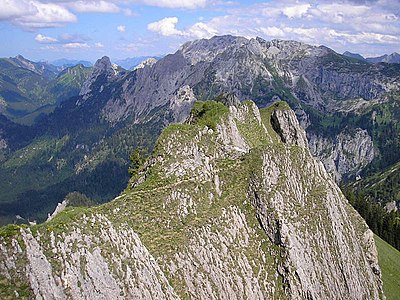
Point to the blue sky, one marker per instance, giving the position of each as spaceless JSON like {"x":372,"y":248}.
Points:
{"x":89,"y":29}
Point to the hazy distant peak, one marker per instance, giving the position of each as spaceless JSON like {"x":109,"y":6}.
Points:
{"x":20,"y":57}
{"x":23,"y":62}
{"x":64,"y":62}
{"x":354,"y":55}
{"x":393,"y":58}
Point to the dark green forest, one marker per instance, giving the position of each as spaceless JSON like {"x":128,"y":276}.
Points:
{"x":383,"y":223}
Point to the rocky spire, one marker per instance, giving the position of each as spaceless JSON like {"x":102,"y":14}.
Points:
{"x":102,"y":67}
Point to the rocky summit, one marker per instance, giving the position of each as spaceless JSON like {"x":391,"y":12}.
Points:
{"x":334,"y":96}
{"x":231,"y":205}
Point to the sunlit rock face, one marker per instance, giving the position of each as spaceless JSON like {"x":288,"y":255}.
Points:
{"x":231,"y":205}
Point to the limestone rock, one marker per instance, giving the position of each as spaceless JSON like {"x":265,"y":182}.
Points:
{"x":148,"y":62}
{"x":346,"y":154}
{"x":240,"y":211}
{"x":286,"y":125}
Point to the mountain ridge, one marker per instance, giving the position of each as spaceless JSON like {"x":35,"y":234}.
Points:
{"x":29,"y":88}
{"x":226,"y":197}
{"x":335,"y":99}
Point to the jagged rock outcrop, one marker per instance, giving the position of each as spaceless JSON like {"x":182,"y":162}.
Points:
{"x":348,"y":153}
{"x":327,"y":91}
{"x":284,"y":123}
{"x":309,"y":77}
{"x":180,"y":105}
{"x":392,"y":206}
{"x":104,"y":68}
{"x":248,"y":68}
{"x":148,"y":62}
{"x":3,"y":143}
{"x":228,"y":207}
{"x":59,"y":208}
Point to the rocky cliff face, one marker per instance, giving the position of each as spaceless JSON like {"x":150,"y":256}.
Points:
{"x":312,"y":79}
{"x":230,"y":206}
{"x":104,"y":69}
{"x":317,"y":76}
{"x":347,"y":154}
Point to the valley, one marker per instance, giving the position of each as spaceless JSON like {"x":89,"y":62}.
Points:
{"x":352,"y":127}
{"x":74,"y":130}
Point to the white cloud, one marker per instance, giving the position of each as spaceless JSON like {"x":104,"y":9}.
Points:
{"x":200,"y":31}
{"x":272,"y":31}
{"x":365,"y":25}
{"x":296,"y":11}
{"x":188,"y":4}
{"x":49,"y":47}
{"x":76,"y":46}
{"x":338,"y":12}
{"x":94,"y":6}
{"x":15,"y":8}
{"x":42,"y":15}
{"x":98,"y":45}
{"x":165,"y":27}
{"x":304,"y":32}
{"x":121,"y":28}
{"x":366,"y":37}
{"x":45,"y":39}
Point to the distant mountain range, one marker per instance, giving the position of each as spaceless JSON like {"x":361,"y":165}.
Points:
{"x":29,"y":89}
{"x":130,"y":63}
{"x":127,"y":63}
{"x":393,"y":58}
{"x":349,"y":108}
{"x":238,"y":198}
{"x":63,"y":62}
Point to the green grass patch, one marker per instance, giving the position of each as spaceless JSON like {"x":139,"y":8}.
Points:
{"x":208,"y":113}
{"x":10,"y":230}
{"x":389,"y":261}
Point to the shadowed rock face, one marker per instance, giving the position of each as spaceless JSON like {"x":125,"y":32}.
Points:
{"x":348,"y":153}
{"x":237,"y":209}
{"x":284,"y":122}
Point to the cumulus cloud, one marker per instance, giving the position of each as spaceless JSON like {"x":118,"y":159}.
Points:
{"x":342,"y":25}
{"x":35,"y":14}
{"x":76,"y":46}
{"x":296,"y":11}
{"x":338,"y":12}
{"x":366,"y":37}
{"x":272,"y":31}
{"x":15,"y":8}
{"x":94,"y":6}
{"x":165,"y":27}
{"x":201,"y":30}
{"x":98,"y":45}
{"x":45,"y":39}
{"x":121,"y":28}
